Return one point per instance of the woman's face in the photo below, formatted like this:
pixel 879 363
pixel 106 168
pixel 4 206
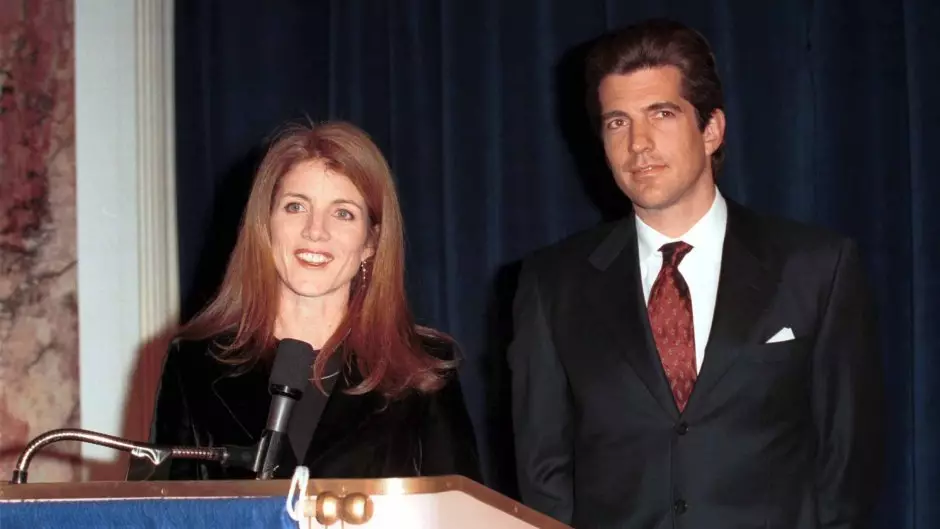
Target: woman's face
pixel 319 231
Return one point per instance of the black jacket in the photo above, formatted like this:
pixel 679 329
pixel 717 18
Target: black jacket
pixel 775 435
pixel 202 402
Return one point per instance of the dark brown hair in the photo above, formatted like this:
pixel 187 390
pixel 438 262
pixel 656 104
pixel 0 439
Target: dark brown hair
pixel 656 43
pixel 378 331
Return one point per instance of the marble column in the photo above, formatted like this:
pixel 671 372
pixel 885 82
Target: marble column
pixel 38 311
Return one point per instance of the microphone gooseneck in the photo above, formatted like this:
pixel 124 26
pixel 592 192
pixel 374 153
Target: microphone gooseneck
pixel 154 454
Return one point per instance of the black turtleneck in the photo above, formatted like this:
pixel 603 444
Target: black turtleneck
pixel 307 412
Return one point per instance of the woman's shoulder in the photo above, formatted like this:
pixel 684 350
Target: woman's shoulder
pixel 186 348
pixel 188 353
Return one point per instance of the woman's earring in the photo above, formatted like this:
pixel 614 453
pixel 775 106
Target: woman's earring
pixel 362 270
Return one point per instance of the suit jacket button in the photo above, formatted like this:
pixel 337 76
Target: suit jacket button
pixel 682 428
pixel 680 506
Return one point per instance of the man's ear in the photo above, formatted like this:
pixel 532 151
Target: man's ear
pixel 714 133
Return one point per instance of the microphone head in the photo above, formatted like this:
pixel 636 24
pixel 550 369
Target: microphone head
pixel 292 363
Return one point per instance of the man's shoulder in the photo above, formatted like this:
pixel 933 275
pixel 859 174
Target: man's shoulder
pixel 785 235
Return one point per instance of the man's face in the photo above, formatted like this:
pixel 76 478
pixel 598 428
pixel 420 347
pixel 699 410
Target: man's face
pixel 658 155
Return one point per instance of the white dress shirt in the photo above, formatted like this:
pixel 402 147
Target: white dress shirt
pixel 700 267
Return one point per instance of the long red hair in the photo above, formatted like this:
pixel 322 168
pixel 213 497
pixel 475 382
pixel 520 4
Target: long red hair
pixel 378 331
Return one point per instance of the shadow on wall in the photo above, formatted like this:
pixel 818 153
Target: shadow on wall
pixel 580 133
pixel 221 233
pixel 138 403
pixel 138 410
pixel 499 444
pixel 585 147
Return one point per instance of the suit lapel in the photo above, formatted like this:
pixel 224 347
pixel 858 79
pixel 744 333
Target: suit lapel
pixel 746 285
pixel 616 295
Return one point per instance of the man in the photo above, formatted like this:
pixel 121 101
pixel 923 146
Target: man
pixel 695 365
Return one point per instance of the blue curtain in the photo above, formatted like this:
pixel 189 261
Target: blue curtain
pixel 832 119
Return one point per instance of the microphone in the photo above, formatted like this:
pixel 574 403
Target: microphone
pixel 226 455
pixel 289 376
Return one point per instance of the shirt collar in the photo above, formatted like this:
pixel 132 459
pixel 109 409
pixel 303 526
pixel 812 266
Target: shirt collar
pixel 706 237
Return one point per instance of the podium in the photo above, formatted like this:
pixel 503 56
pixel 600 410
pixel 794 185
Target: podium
pixel 446 502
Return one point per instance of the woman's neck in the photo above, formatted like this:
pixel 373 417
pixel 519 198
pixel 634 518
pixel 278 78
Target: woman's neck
pixel 312 320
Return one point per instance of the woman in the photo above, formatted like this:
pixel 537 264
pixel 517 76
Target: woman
pixel 320 259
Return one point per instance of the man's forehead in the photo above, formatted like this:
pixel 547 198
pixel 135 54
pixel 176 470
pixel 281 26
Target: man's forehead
pixel 642 88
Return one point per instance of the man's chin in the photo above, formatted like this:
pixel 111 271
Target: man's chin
pixel 654 203
pixel 659 201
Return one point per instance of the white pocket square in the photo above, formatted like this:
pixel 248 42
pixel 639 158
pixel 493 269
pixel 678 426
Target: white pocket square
pixel 783 335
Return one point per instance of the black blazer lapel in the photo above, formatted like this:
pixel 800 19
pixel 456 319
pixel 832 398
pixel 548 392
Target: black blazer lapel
pixel 617 295
pixel 243 393
pixel 746 285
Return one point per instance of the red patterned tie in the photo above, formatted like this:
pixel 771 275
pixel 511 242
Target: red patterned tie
pixel 670 311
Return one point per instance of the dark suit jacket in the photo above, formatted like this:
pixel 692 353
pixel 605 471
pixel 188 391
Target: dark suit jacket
pixel 202 403
pixel 781 435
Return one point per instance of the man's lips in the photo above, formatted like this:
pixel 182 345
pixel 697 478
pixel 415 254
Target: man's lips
pixel 646 169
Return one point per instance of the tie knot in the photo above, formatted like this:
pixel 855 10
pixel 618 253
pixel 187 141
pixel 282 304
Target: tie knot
pixel 674 252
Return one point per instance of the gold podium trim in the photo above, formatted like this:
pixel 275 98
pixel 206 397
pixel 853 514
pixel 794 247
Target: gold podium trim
pixel 95 490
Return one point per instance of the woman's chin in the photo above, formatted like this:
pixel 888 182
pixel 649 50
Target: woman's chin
pixel 313 291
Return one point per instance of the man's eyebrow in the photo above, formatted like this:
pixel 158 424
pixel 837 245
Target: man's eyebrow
pixel 614 114
pixel 663 105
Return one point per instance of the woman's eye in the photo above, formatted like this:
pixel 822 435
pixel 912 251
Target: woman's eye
pixel 345 214
pixel 294 207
